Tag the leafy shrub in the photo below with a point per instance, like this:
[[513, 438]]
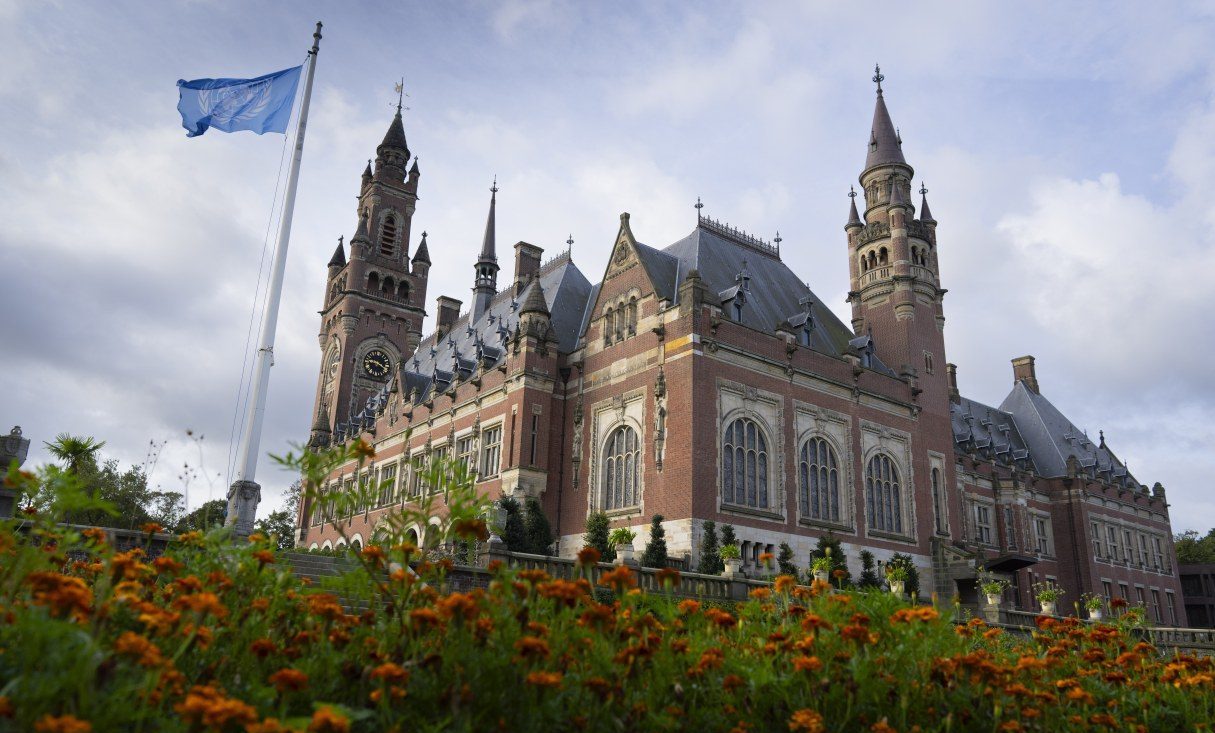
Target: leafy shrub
[[710, 560], [597, 530], [655, 555], [784, 560], [538, 531]]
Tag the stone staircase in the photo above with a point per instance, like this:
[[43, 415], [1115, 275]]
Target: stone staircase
[[318, 568]]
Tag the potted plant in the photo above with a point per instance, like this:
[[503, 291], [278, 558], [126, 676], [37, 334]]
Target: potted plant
[[732, 557], [896, 577], [821, 567], [992, 587], [1048, 594], [1095, 605], [621, 539]]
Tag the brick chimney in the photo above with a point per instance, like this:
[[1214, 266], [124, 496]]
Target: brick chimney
[[951, 371], [449, 311], [527, 264], [1023, 371]]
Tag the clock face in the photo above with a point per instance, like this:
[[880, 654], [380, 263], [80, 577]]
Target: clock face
[[376, 364]]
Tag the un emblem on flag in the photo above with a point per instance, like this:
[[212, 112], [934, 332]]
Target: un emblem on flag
[[236, 103]]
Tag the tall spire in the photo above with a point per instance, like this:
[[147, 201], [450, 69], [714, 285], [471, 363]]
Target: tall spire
[[885, 148], [488, 243], [854, 218], [395, 137]]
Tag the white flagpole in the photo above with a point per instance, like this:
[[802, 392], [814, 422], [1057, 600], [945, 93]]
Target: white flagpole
[[245, 493]]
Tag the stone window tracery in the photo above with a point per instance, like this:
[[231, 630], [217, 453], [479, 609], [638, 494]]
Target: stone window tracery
[[744, 464], [883, 495], [621, 469], [388, 236], [819, 481]]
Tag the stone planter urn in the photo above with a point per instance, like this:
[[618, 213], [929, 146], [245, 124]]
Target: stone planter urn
[[624, 554], [993, 599], [1095, 614], [733, 566], [897, 586], [1048, 608]]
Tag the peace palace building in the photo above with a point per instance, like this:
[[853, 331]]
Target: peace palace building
[[705, 381]]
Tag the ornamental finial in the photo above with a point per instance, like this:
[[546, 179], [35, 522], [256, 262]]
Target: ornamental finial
[[923, 188], [494, 188], [698, 207], [878, 78], [851, 192]]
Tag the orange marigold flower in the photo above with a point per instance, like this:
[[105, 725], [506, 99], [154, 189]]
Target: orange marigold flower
[[94, 535], [62, 724], [588, 556], [138, 647], [425, 617], [731, 682], [565, 591], [325, 605], [328, 720], [1010, 726], [202, 603], [391, 673], [63, 594], [289, 680], [532, 646], [766, 558], [807, 664], [458, 606], [127, 564], [722, 618], [919, 613], [619, 578], [760, 594], [263, 557], [784, 583], [813, 621], [373, 554], [544, 679], [471, 528], [165, 565], [363, 450], [534, 576], [1118, 603], [151, 527], [667, 577], [806, 721], [205, 705], [6, 707], [689, 606], [883, 727], [269, 725], [262, 648]]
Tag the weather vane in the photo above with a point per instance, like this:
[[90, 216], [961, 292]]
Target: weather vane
[[923, 188], [851, 192], [878, 78], [494, 188], [399, 88]]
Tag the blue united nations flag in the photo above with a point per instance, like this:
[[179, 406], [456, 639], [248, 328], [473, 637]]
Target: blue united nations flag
[[261, 105]]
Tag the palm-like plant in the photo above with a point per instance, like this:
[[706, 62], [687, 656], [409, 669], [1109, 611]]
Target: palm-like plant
[[74, 450]]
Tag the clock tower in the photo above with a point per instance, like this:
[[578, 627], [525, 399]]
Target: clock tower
[[371, 319]]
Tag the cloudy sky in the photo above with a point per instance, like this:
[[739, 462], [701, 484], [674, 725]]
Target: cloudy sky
[[1067, 149]]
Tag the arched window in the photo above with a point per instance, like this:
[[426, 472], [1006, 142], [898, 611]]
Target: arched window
[[373, 281], [403, 290], [609, 325], [621, 469], [882, 495], [388, 236], [938, 503], [389, 285], [818, 471], [864, 264], [632, 316], [744, 464], [883, 256]]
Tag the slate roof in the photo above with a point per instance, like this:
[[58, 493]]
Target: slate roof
[[989, 431], [885, 147], [1052, 438]]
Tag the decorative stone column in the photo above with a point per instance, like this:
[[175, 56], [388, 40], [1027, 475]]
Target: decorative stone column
[[13, 447], [243, 498]]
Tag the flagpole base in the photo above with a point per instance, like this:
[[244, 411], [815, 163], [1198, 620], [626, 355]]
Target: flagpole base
[[243, 498]]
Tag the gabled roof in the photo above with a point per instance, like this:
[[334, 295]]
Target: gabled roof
[[1052, 438], [988, 430]]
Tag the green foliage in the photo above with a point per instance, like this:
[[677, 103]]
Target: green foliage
[[655, 555], [784, 560], [869, 577], [75, 451], [729, 552], [514, 534], [207, 516], [710, 560], [1193, 549], [538, 531], [597, 529], [902, 560], [622, 536], [727, 535], [280, 526]]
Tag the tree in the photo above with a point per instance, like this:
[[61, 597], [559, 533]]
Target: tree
[[710, 562], [597, 529], [655, 555], [75, 451], [900, 560], [537, 529], [727, 535], [1195, 550], [838, 561], [280, 525], [514, 535], [207, 516], [869, 577], [784, 560]]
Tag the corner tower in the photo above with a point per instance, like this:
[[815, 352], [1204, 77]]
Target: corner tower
[[895, 285], [373, 308]]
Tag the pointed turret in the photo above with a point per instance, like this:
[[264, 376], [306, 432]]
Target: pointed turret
[[395, 137], [885, 147], [339, 255], [897, 198], [535, 302], [393, 153], [422, 256], [925, 213], [485, 283], [854, 218]]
